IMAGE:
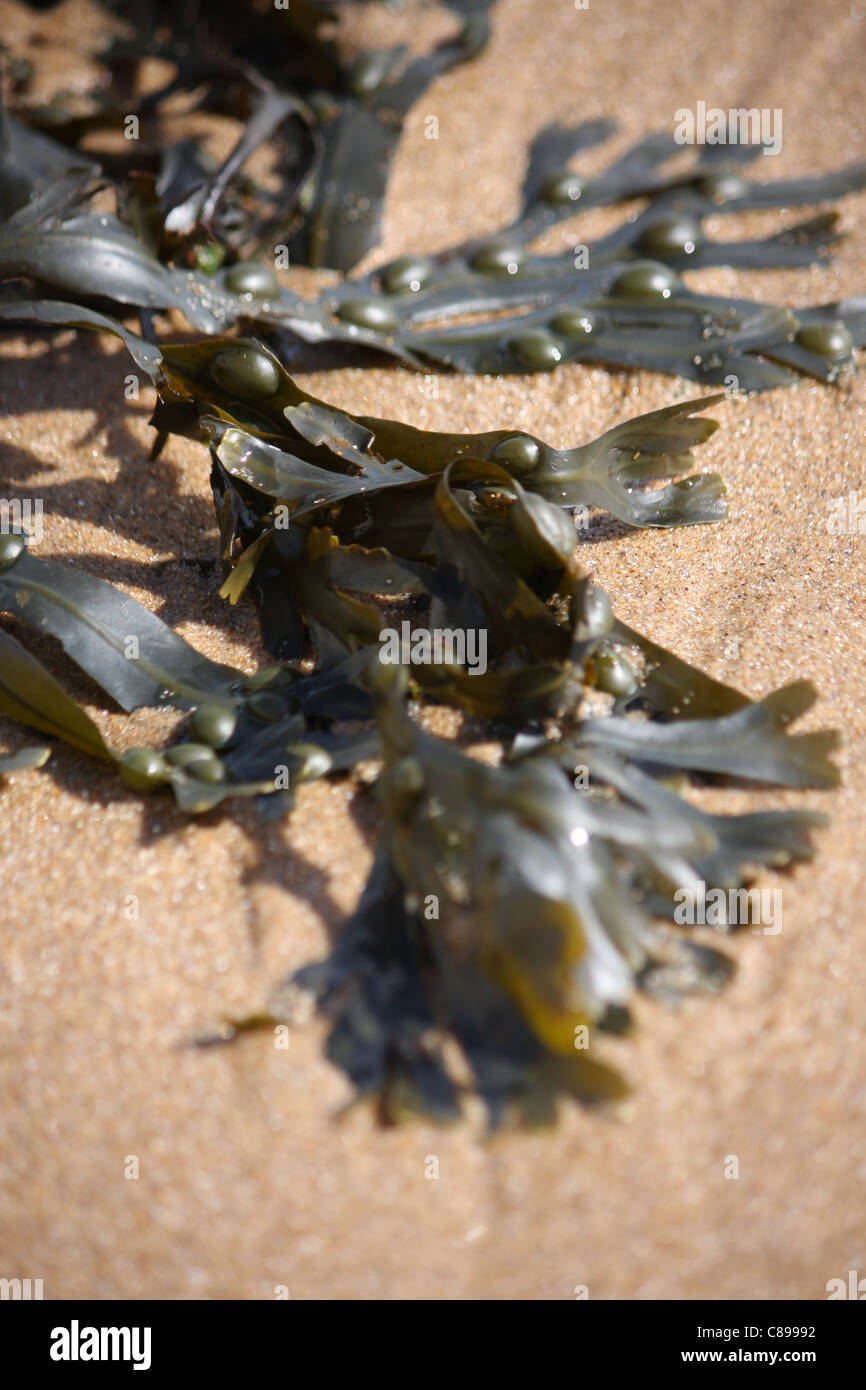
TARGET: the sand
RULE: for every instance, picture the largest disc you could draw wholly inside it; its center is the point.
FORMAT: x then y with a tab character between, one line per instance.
247	1178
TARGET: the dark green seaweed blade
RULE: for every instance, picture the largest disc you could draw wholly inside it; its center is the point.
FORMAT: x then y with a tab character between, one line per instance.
360	138
751	743
31	162
675	688
122	645
59	312
517	619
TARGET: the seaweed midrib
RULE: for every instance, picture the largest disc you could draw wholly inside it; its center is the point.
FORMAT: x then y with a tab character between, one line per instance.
159	677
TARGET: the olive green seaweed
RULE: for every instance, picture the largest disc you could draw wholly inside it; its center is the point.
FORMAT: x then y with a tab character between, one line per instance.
522	894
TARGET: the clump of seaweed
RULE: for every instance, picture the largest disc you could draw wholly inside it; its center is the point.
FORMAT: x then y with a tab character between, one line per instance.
515	903
509	909
184	231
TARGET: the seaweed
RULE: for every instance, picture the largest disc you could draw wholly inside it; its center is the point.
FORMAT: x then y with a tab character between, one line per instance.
184	230
510	911
361	125
335	118
520	896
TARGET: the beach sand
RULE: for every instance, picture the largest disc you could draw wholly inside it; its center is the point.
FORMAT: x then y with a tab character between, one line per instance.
248	1177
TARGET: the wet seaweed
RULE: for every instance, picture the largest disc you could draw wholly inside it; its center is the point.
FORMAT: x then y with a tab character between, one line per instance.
523	892
513	910
184	230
